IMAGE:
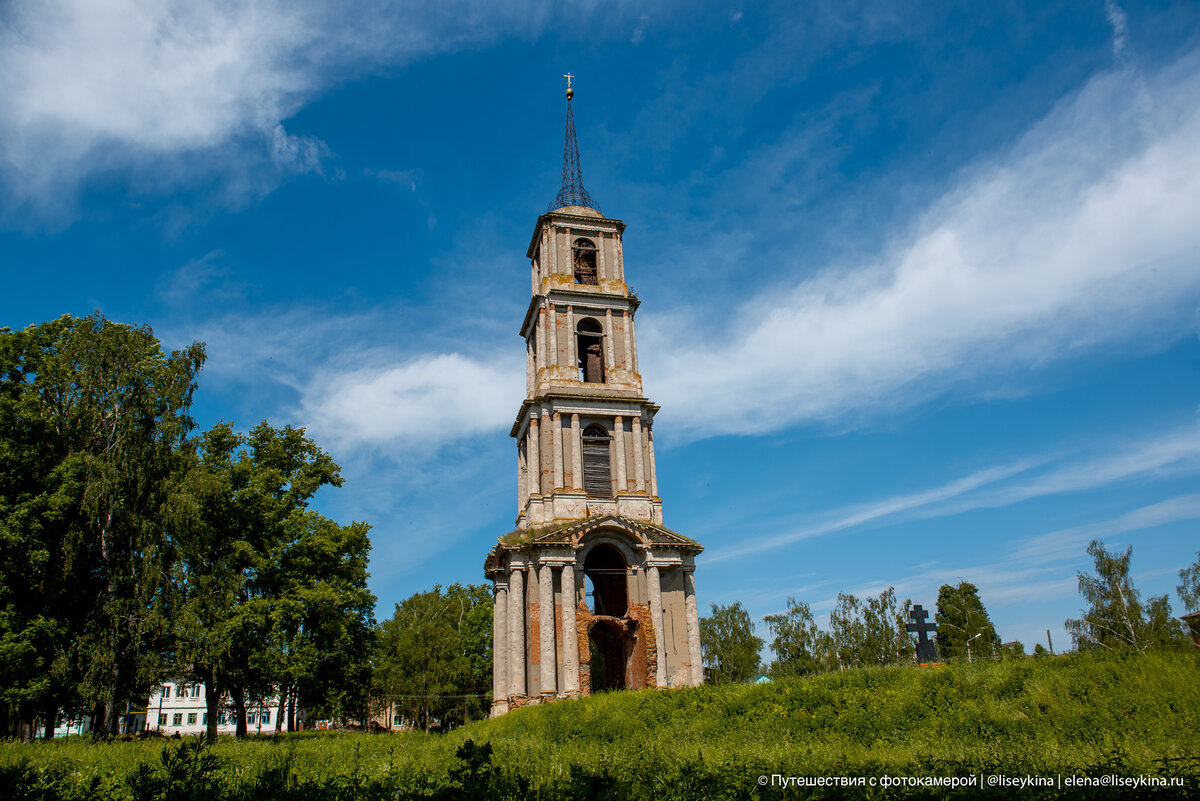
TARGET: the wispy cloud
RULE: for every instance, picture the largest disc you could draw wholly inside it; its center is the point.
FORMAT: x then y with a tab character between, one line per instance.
1004	485
886	508
1068	543
1035	256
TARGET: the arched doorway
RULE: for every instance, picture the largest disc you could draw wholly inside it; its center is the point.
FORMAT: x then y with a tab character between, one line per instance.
608	661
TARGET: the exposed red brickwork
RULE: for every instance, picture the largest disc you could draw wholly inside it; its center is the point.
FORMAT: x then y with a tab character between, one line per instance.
644	657
535	634
583	625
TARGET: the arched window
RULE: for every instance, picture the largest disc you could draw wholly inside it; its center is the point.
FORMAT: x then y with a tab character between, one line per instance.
584	258
604	570
597	470
590	350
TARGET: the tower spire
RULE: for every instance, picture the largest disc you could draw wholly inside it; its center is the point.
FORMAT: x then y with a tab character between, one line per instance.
572	192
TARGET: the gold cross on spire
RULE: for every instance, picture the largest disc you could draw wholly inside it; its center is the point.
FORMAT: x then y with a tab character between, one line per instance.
570	91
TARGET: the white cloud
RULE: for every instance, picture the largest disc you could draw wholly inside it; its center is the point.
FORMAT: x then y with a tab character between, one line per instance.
432	399
184	88
1083	235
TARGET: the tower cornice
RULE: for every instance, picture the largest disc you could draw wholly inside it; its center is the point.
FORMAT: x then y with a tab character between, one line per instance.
565	402
578	297
588	220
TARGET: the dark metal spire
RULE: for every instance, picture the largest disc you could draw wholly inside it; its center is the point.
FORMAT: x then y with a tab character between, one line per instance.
572	192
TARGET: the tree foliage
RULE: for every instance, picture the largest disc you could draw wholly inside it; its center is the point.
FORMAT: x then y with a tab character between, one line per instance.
93	444
1116	619
273	596
1189	586
730	648
962	619
433	657
797	641
131	551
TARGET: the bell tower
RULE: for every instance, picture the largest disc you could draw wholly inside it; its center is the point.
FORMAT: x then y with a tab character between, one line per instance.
592	592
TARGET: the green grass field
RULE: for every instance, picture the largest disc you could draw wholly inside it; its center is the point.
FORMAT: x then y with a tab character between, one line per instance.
1131	716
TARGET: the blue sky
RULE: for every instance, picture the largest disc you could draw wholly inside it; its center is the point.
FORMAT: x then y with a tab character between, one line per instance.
919	281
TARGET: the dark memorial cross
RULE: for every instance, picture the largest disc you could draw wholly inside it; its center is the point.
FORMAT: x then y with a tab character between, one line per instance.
926	652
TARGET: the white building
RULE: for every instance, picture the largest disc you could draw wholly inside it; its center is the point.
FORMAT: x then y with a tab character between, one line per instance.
180	708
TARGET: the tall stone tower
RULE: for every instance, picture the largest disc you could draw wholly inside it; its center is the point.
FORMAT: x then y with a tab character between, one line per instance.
592	592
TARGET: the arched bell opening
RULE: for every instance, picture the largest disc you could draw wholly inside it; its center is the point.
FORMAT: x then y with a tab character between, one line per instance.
591	351
583	253
604	575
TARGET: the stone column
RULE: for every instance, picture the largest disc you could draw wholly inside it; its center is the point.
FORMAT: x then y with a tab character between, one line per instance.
530	368
544	338
547	479
650	459
533	460
576	453
570	638
500	656
601	260
639	469
693	626
522	478
628	343
620	260
610	357
572	343
516	631
633	339
558	451
553	317
619	445
549	682
654	583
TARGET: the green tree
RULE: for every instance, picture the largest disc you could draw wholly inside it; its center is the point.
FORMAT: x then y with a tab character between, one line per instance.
847	632
962	618
93	445
868	632
272	596
1189	586
796	640
322	624
1116	619
433	657
729	646
885	640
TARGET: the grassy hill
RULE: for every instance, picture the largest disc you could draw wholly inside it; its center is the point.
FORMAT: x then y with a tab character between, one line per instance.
1097	716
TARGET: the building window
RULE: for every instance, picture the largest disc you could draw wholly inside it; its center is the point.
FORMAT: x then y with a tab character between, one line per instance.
196	691
162	719
166	691
597	470
191	718
591	351
205	720
249	717
177	719
584	257
265	717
